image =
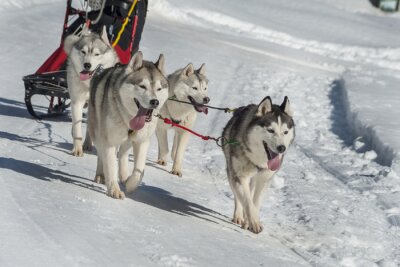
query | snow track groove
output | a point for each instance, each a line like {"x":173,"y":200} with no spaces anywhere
{"x":352,"y":130}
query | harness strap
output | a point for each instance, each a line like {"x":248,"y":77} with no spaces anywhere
{"x":125,"y":22}
{"x":220,"y":141}
{"x":226,"y":110}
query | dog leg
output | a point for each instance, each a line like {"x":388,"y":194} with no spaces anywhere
{"x":257,"y":185}
{"x":140,"y":153}
{"x":162,"y":139}
{"x":109,"y":160}
{"x":123,"y":155}
{"x":252,"y":221}
{"x":76,"y":110}
{"x":238,"y":216}
{"x":87,"y":145}
{"x":174,"y":145}
{"x":182,"y":139}
{"x":99,"y":178}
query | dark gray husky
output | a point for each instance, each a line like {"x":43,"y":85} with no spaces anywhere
{"x":263,"y":132}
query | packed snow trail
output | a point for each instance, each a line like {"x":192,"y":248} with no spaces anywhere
{"x":331,"y":205}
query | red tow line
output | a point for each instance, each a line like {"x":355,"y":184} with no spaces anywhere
{"x":221,"y":141}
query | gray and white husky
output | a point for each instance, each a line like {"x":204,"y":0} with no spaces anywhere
{"x":187,"y":85}
{"x":264,"y":133}
{"x":85,"y":53}
{"x":123,"y":102}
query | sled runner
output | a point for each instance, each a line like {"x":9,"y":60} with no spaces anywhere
{"x":124,"y":21}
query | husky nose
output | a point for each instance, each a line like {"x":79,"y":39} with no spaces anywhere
{"x":87,"y":66}
{"x":154,"y":103}
{"x":281,"y":148}
{"x":206,"y":100}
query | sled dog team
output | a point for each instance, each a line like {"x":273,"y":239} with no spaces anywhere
{"x":123,"y":101}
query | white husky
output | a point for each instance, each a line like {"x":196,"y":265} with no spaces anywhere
{"x":85,"y":53}
{"x":187,"y":85}
{"x":123,"y":102}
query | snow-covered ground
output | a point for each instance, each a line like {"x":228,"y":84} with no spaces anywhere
{"x":335,"y":202}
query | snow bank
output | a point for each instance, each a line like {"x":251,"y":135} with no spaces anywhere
{"x":386,"y":57}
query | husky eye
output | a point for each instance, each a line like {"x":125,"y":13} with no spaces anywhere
{"x":159,"y":89}
{"x":270,"y":131}
{"x":96,"y":55}
{"x":83,"y":52}
{"x":142,"y":86}
{"x":205,"y":89}
{"x":194,"y":88}
{"x":285,"y":132}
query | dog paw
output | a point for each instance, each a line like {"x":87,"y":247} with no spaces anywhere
{"x":115,"y":192}
{"x":238,"y":220}
{"x":77,"y":151}
{"x":162,"y":162}
{"x":87,"y":147}
{"x":132,"y":183}
{"x":253,"y":226}
{"x":100,"y":179}
{"x":176,"y":172}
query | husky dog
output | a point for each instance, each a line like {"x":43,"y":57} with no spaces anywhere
{"x":85,"y":54}
{"x":186,"y":85}
{"x":122,"y":103}
{"x":264,"y":133}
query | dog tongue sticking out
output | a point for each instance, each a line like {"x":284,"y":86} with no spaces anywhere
{"x":274,"y":162}
{"x":84,"y":75}
{"x":139,"y":120}
{"x":203,"y":109}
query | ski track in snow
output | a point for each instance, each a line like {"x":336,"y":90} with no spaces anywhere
{"x":332,"y":203}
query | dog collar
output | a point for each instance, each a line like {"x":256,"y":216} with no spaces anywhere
{"x":175,"y":121}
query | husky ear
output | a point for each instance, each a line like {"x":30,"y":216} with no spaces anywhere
{"x":285,"y":107}
{"x":264,"y":107}
{"x":136,"y":62}
{"x":160,"y":64}
{"x":69,"y":43}
{"x":188,"y":70}
{"x":104,"y":36}
{"x":202,"y":69}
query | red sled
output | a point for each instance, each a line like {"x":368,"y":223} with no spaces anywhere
{"x":124,"y":21}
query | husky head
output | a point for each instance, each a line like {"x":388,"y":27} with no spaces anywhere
{"x":272,"y":130}
{"x":89,"y":50}
{"x":193,"y":87}
{"x":144,"y":88}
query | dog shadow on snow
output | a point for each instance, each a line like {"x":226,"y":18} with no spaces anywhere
{"x":34,"y":143}
{"x":46,"y":174}
{"x":165,"y":200}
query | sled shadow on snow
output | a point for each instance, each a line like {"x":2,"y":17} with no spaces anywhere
{"x":164,"y":200}
{"x":46,"y":174}
{"x":13,"y":108}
